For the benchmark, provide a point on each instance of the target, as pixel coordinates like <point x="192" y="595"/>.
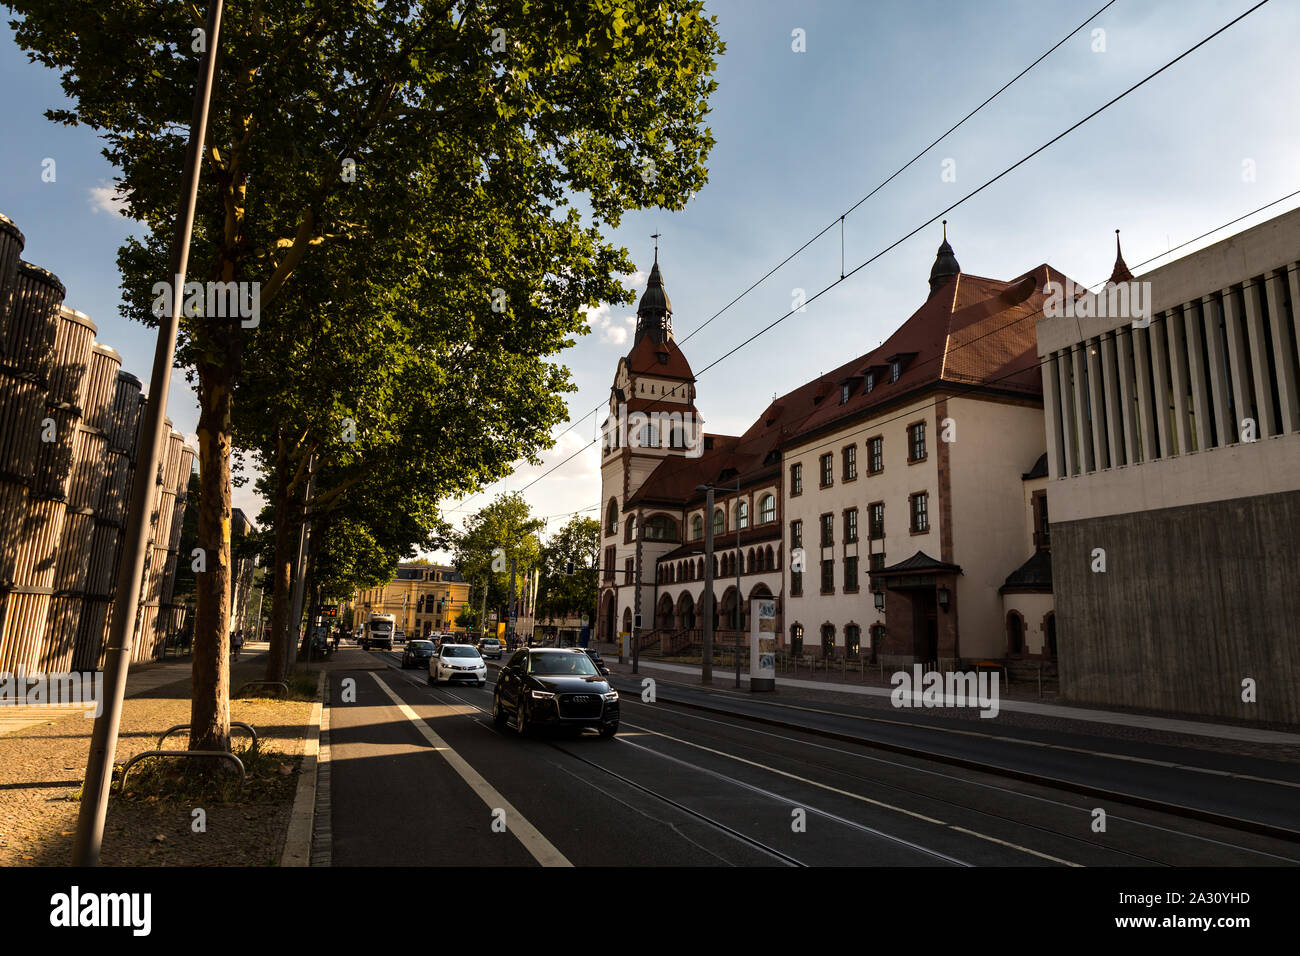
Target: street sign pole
<point x="103" y="741"/>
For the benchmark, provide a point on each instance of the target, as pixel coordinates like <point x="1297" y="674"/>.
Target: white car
<point x="458" y="662"/>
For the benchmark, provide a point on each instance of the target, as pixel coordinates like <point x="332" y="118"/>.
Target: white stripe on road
<point x="856" y="796"/>
<point x="536" y="844"/>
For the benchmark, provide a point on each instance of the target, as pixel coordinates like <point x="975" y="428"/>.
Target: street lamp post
<point x="739" y="566"/>
<point x="706" y="659"/>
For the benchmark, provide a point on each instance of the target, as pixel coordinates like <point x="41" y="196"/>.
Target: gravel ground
<point x="42" y="767"/>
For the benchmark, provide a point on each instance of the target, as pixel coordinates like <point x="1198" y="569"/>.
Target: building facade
<point x="425" y="598"/>
<point x="1173" y="461"/>
<point x="883" y="504"/>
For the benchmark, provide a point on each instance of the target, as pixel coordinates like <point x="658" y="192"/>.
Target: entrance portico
<point x="920" y="610"/>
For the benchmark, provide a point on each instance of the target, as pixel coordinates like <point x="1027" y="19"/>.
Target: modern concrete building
<point x="1173" y="457"/>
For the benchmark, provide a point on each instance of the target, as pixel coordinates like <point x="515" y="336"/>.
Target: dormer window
<point x="894" y="368"/>
<point x="844" y="393"/>
<point x="871" y="381"/>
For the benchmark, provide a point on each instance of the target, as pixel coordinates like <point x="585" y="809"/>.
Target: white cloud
<point x="611" y="331"/>
<point x="106" y="198"/>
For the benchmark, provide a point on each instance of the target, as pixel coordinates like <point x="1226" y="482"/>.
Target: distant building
<point x="1173" y="455"/>
<point x="425" y="598"/>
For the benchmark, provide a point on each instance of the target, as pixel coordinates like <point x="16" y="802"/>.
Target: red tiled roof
<point x="973" y="331"/>
<point x="644" y="360"/>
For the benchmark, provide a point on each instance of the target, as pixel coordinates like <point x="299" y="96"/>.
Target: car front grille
<point x="580" y="706"/>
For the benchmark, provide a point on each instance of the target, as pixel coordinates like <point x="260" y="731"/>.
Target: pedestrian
<point x="338" y="635"/>
<point x="236" y="642"/>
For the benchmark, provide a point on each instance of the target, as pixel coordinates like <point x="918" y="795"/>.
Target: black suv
<point x="554" y="687"/>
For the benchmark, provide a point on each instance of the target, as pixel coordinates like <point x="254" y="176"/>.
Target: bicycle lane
<point x="400" y="796"/>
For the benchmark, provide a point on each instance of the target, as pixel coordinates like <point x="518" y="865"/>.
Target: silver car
<point x="490" y="647"/>
<point x="458" y="663"/>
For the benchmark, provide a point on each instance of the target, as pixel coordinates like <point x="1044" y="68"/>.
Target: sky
<point x="803" y="135"/>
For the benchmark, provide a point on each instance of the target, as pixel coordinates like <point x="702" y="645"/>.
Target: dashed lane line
<point x="541" y="848"/>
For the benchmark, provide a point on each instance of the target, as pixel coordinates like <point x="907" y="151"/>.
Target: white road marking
<point x="536" y="844"/>
<point x="856" y="796"/>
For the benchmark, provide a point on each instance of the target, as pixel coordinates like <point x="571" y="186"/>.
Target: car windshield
<point x="458" y="650"/>
<point x="562" y="665"/>
<point x="422" y="645"/>
<point x="491" y="640"/>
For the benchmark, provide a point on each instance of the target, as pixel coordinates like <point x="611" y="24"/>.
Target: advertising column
<point x="762" y="644"/>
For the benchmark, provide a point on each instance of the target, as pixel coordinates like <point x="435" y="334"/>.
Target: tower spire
<point x="1120" y="273"/>
<point x="654" y="313"/>
<point x="945" y="264"/>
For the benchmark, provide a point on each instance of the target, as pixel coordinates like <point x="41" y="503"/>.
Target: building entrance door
<point x="925" y="626"/>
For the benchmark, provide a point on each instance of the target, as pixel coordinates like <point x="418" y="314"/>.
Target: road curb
<point x="298" y="841"/>
<point x="1146" y="803"/>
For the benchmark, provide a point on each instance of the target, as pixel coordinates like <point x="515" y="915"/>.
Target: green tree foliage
<point x="501" y="532"/>
<point x="423" y="159"/>
<point x="569" y="570"/>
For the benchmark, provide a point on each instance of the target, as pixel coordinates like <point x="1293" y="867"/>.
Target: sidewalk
<point x="1033" y="713"/>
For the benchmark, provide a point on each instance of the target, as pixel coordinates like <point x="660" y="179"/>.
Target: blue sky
<point x="803" y="136"/>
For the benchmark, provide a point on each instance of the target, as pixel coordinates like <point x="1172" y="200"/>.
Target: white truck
<point x="378" y="631"/>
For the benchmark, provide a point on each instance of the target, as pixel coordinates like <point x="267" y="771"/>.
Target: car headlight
<point x="612" y="695"/>
<point x="542" y="695"/>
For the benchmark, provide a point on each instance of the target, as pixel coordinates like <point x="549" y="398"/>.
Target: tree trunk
<point x="210" y="705"/>
<point x="282" y="569"/>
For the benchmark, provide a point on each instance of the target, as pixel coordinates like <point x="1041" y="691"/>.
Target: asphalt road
<point x="420" y="776"/>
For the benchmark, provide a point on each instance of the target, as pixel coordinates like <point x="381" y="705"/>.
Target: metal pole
<point x="706" y="670"/>
<point x="299" y="574"/>
<point x="103" y="742"/>
<point x="740" y="563"/>
<point x="636" y="599"/>
<point x="510" y="627"/>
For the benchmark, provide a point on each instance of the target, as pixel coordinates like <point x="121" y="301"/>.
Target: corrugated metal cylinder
<point x="23" y="629"/>
<point x="116" y="490"/>
<point x="54" y="457"/>
<point x="60" y="634"/>
<point x="102" y="565"/>
<point x="125" y="413"/>
<point x="38" y="538"/>
<point x="89" y="471"/>
<point x="72" y="561"/>
<point x="101" y="383"/>
<point x="89" y="655"/>
<point x="33" y="320"/>
<point x="73" y="338"/>
<point x="11" y="250"/>
<point x="22" y="407"/>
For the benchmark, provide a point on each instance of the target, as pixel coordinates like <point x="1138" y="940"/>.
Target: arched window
<point x="828" y="640"/>
<point x="611" y="517"/>
<point x="852" y="639"/>
<point x="1015" y="633"/>
<point x="750" y="566"/>
<point x="769" y="559"/>
<point x="699" y="574"/>
<point x="719" y="521"/>
<point x="796" y="639"/>
<point x="660" y="527"/>
<point x="767" y="509"/>
<point x="742" y="515"/>
<point x="697" y="527"/>
<point x="629" y="533"/>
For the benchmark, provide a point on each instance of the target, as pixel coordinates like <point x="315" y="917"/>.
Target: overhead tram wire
<point x="1105" y="106"/>
<point x="879" y="186"/>
<point x="986" y="383"/>
<point x="960" y="388"/>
